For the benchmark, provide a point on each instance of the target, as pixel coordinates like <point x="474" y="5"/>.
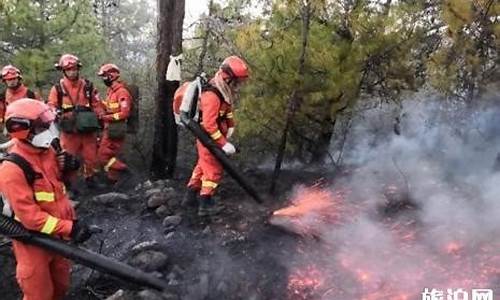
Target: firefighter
<point x="117" y="105"/>
<point x="16" y="90"/>
<point x="42" y="206"/>
<point x="79" y="108"/>
<point x="216" y="110"/>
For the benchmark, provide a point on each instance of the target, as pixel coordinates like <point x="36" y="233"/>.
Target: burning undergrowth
<point x="419" y="210"/>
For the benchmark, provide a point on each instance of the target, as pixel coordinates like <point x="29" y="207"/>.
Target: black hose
<point x="15" y="230"/>
<point x="219" y="154"/>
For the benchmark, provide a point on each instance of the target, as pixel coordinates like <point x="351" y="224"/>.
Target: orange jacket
<point x="74" y="94"/>
<point x="12" y="95"/>
<point x="118" y="103"/>
<point x="43" y="207"/>
<point x="216" y="116"/>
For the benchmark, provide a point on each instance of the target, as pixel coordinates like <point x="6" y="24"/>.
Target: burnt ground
<point x="237" y="255"/>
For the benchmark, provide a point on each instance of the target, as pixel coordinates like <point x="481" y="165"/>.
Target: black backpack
<point x="133" y="118"/>
<point x="22" y="163"/>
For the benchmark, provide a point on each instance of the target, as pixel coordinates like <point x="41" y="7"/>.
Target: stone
<point x="149" y="260"/>
<point x="147" y="245"/>
<point x="157" y="200"/>
<point x="151" y="192"/>
<point x="162" y="211"/>
<point x="172" y="221"/>
<point x="110" y="198"/>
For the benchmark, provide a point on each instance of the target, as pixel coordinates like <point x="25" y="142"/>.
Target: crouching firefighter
<point x="31" y="185"/>
<point x="216" y="118"/>
<point x="117" y="105"/>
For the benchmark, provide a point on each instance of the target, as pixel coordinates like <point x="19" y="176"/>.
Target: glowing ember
<point x="384" y="259"/>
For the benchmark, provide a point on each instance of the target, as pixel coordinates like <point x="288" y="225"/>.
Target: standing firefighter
<point x="40" y="204"/>
<point x="216" y="118"/>
<point x="77" y="102"/>
<point x="16" y="90"/>
<point x="118" y="104"/>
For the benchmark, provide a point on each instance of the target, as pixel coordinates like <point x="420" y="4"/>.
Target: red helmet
<point x="27" y="115"/>
<point x="235" y="68"/>
<point x="68" y="61"/>
<point x="109" y="70"/>
<point x="10" y="72"/>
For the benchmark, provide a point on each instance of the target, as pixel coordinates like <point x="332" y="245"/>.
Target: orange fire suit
<point x="216" y="119"/>
<point x="12" y="95"/>
<point x="117" y="104"/>
<point x="43" y="207"/>
<point x="83" y="145"/>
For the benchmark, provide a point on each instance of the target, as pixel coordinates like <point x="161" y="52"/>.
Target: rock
<point x="138" y="187"/>
<point x="172" y="221"/>
<point x="149" y="260"/>
<point x="148" y="184"/>
<point x="173" y="201"/>
<point x="149" y="295"/>
<point x="157" y="200"/>
<point x="162" y="211"/>
<point x="147" y="245"/>
<point x="151" y="192"/>
<point x="170" y="235"/>
<point x="110" y="198"/>
<point x="119" y="295"/>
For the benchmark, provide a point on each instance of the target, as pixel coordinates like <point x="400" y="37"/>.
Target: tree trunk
<point x="296" y="98"/>
<point x="170" y="21"/>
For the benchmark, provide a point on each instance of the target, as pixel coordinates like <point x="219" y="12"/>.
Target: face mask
<point x="72" y="74"/>
<point x="45" y="138"/>
<point x="107" y="81"/>
<point x="13" y="83"/>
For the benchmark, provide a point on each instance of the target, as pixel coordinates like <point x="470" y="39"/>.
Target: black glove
<point x="68" y="162"/>
<point x="81" y="231"/>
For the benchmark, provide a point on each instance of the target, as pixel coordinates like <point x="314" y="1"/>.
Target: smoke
<point x="443" y="163"/>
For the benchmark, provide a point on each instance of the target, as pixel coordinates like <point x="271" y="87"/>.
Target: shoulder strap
<point x="209" y="87"/>
<point x="88" y="89"/>
<point x="60" y="94"/>
<point x="22" y="163"/>
<point x="30" y="94"/>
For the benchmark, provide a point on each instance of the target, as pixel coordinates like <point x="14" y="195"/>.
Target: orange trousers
<point x="107" y="155"/>
<point x="83" y="145"/>
<point x="41" y="275"/>
<point x="207" y="173"/>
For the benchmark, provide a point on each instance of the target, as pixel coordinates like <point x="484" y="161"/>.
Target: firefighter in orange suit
<point x="16" y="90"/>
<point x="42" y="207"/>
<point x="71" y="95"/>
<point x="118" y="104"/>
<point x="216" y="110"/>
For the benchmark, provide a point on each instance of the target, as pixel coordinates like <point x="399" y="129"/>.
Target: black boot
<point x="208" y="207"/>
<point x="92" y="183"/>
<point x="190" y="198"/>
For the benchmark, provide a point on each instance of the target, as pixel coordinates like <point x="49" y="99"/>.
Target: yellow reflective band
<point x="66" y="106"/>
<point x="221" y="113"/>
<point x="64" y="188"/>
<point x="116" y="116"/>
<point x="216" y="135"/>
<point x="109" y="164"/>
<point x="44" y="196"/>
<point x="113" y="104"/>
<point x="229" y="115"/>
<point x="50" y="225"/>
<point x="17" y="218"/>
<point x="208" y="184"/>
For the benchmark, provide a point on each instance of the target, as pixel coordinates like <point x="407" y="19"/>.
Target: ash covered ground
<point x="406" y="212"/>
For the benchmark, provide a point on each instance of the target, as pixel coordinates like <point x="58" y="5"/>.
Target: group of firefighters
<point x="75" y="109"/>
